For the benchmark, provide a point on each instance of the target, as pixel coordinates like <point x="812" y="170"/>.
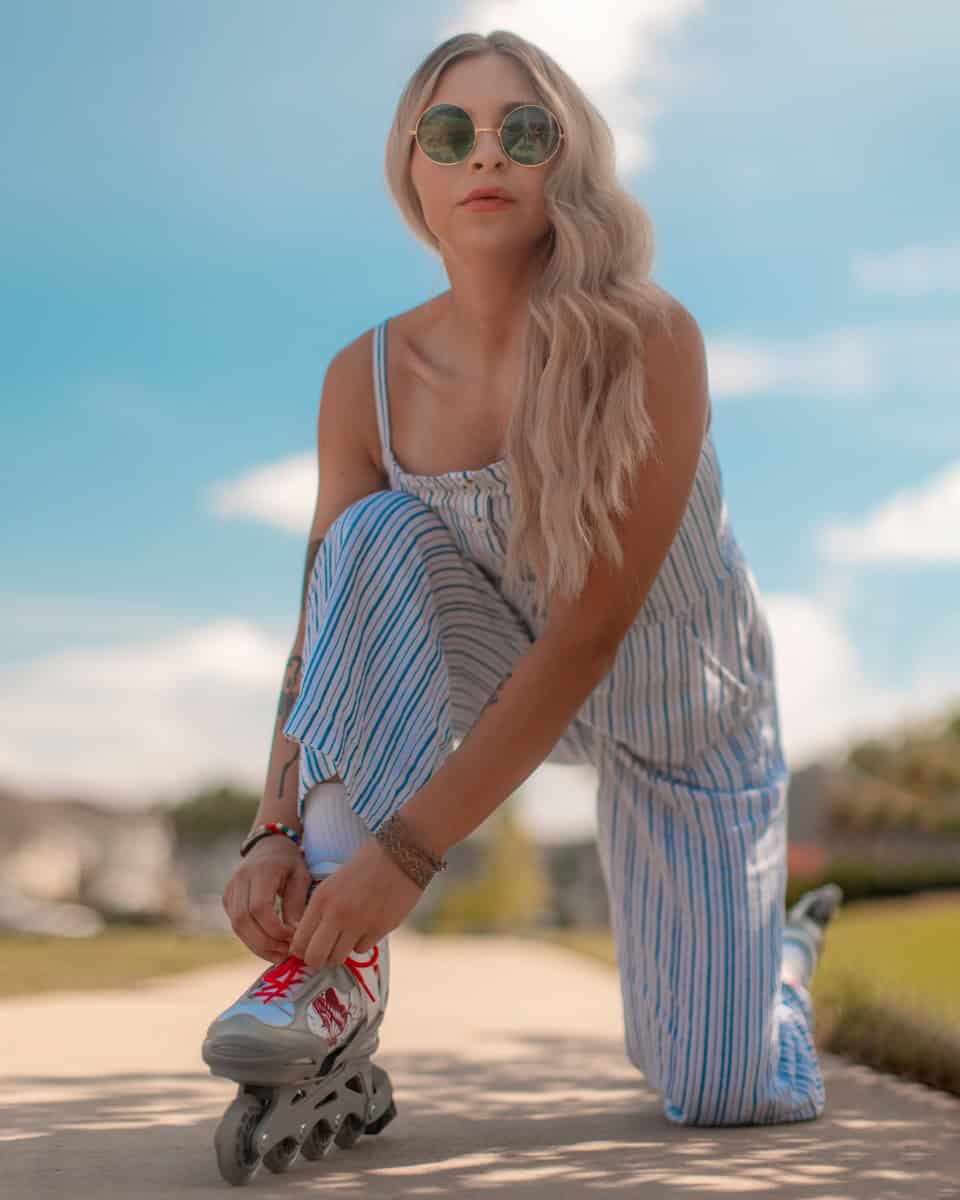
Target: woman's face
<point x="487" y="87"/>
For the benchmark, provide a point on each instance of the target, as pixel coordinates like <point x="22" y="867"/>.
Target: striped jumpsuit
<point x="409" y="630"/>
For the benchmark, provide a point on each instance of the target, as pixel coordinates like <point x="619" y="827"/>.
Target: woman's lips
<point x="482" y="203"/>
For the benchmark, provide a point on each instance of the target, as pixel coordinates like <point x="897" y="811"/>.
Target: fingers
<point x="294" y="896"/>
<point x="366" y="943"/>
<point x="246" y="925"/>
<point x="264" y="886"/>
<point x="315" y="937"/>
<point x="342" y="948"/>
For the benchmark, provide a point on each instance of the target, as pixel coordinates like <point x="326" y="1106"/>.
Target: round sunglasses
<point x="529" y="134"/>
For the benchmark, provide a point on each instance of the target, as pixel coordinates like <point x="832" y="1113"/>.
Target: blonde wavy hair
<point x="580" y="428"/>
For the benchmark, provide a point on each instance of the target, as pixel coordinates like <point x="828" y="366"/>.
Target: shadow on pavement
<point x="537" y="1116"/>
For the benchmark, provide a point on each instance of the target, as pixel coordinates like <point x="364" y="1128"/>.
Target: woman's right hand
<point x="273" y="867"/>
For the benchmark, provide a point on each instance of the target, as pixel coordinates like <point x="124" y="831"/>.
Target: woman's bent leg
<point x="406" y="639"/>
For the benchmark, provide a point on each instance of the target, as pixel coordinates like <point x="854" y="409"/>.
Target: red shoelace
<point x="278" y="980"/>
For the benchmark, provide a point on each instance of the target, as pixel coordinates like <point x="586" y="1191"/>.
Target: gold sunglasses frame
<point x="481" y="129"/>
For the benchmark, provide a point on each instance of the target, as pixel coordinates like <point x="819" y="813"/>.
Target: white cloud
<point x="893" y="358"/>
<point x="826" y="697"/>
<point x="281" y="494"/>
<point x="837" y="363"/>
<point x="613" y="48"/>
<point x="917" y="525"/>
<point x="918" y="270"/>
<point x="132" y="722"/>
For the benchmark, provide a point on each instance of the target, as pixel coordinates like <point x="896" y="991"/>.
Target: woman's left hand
<point x="352" y="909"/>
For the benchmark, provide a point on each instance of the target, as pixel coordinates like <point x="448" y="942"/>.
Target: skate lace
<point x="277" y="981"/>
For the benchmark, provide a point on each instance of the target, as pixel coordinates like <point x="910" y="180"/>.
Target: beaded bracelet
<point x="262" y="831"/>
<point x="415" y="861"/>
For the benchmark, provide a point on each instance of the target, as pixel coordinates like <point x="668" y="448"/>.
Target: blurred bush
<point x="909" y="781"/>
<point x="508" y="891"/>
<point x="854" y="1019"/>
<point x="206" y="815"/>
<point x="864" y="880"/>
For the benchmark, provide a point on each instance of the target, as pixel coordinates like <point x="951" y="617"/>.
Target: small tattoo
<point x="283" y="774"/>
<point x="291" y="688"/>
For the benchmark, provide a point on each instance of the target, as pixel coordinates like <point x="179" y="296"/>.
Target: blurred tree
<point x="511" y="890"/>
<point x="213" y="811"/>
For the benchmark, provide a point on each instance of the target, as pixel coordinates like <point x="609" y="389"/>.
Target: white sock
<point x="332" y="831"/>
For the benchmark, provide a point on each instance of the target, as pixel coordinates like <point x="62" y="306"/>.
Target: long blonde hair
<point x="580" y="428"/>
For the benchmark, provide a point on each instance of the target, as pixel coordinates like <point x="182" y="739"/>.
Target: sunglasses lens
<point x="445" y="133"/>
<point x="530" y="134"/>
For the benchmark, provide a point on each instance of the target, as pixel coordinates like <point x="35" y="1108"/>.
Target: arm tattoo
<point x="291" y="679"/>
<point x="286" y="767"/>
<point x="291" y="688"/>
<point x="292" y="672"/>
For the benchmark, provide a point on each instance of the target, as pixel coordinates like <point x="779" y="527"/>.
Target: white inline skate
<point x="299" y="1044"/>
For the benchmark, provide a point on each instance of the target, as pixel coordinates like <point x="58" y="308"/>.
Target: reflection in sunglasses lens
<point x="530" y="134"/>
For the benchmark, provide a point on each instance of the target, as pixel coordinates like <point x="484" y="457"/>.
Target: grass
<point x="906" y="950"/>
<point x="119" y="957"/>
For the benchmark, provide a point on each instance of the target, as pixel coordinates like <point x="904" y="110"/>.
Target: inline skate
<point x="299" y="1045"/>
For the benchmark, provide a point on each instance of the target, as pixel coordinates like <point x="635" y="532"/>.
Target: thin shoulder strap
<point x="380" y="388"/>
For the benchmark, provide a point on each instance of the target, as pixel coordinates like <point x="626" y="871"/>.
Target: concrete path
<point x="510" y="1079"/>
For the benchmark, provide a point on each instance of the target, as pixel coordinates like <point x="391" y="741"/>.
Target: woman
<point x="540" y="565"/>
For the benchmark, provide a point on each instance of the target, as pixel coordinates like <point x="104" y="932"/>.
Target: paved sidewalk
<point x="510" y="1078"/>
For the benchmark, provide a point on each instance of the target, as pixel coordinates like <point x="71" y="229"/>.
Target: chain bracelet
<point x="415" y="861"/>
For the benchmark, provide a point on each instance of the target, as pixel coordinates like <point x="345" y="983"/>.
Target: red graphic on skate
<point x="333" y="1014"/>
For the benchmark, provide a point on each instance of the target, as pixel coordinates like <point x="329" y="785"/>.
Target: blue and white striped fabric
<point x="409" y="631"/>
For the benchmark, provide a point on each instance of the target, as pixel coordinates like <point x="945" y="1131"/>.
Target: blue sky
<point x="194" y="220"/>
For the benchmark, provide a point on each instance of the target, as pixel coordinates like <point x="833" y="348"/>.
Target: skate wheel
<point x="349" y="1132"/>
<point x="279" y="1157"/>
<point x="233" y="1141"/>
<point x="383" y="1120"/>
<point x="317" y="1142"/>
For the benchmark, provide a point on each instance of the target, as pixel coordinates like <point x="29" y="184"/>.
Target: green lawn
<point x="118" y="957"/>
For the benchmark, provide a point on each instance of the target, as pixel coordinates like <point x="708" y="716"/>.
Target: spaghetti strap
<point x="380" y="390"/>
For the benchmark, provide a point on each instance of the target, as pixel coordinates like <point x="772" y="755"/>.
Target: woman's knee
<point x="380" y="521"/>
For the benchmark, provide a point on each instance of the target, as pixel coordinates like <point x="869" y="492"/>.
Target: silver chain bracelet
<point x="415" y="861"/>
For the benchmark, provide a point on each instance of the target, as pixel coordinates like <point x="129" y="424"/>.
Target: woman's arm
<point x="551" y="681"/>
<point x="346" y="472"/>
<point x="521" y="723"/>
<point x="281" y="789"/>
